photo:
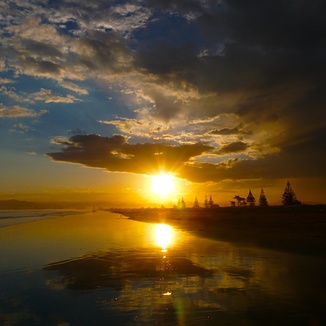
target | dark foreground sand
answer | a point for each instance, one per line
(300, 229)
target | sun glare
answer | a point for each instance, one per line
(163, 235)
(163, 184)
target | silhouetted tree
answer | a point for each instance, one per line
(210, 202)
(251, 199)
(196, 203)
(182, 203)
(262, 199)
(206, 202)
(288, 197)
(241, 201)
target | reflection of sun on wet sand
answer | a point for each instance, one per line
(111, 269)
(301, 229)
(163, 235)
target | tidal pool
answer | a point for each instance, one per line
(104, 269)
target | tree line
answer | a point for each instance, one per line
(288, 198)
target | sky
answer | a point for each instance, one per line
(97, 96)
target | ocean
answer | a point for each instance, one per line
(14, 217)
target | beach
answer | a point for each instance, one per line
(100, 268)
(300, 229)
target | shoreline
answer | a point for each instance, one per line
(15, 217)
(295, 229)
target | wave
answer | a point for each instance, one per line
(12, 217)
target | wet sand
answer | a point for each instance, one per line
(104, 269)
(298, 229)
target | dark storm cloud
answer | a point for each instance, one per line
(305, 159)
(268, 54)
(189, 6)
(273, 53)
(115, 154)
(264, 43)
(235, 147)
(163, 58)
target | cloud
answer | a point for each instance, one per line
(6, 80)
(19, 112)
(238, 76)
(2, 65)
(73, 87)
(20, 127)
(225, 131)
(60, 140)
(29, 52)
(138, 127)
(101, 15)
(115, 154)
(47, 96)
(42, 49)
(12, 94)
(256, 64)
(239, 130)
(235, 147)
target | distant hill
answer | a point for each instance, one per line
(18, 204)
(22, 204)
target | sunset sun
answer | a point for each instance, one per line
(163, 184)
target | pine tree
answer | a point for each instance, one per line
(206, 202)
(262, 199)
(288, 197)
(251, 199)
(210, 202)
(183, 204)
(196, 203)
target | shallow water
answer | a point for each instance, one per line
(14, 217)
(103, 269)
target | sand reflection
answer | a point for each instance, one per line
(164, 236)
(113, 269)
(121, 272)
